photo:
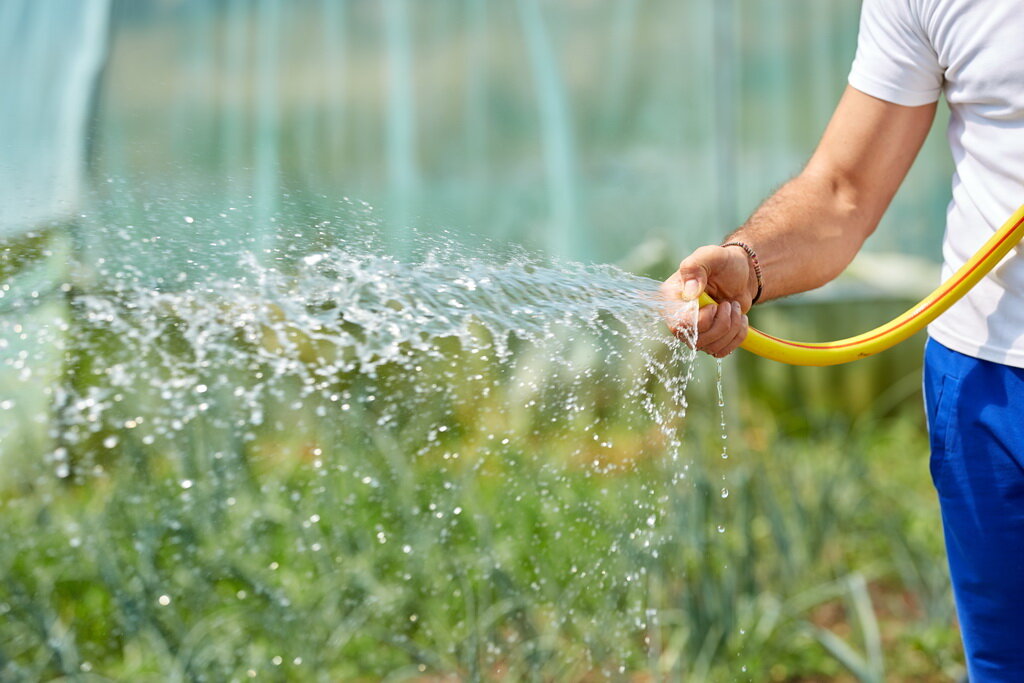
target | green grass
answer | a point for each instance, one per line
(320, 545)
(335, 550)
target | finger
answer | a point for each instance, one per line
(671, 294)
(736, 341)
(679, 317)
(678, 314)
(713, 319)
(706, 318)
(694, 271)
(727, 323)
(682, 322)
(720, 328)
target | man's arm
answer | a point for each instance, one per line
(808, 232)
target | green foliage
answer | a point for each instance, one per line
(355, 539)
(341, 554)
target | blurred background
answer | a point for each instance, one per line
(583, 128)
(600, 131)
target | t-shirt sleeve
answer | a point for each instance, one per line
(895, 59)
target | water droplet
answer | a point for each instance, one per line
(369, 329)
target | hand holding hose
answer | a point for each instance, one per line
(994, 250)
(810, 230)
(725, 273)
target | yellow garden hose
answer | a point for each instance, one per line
(898, 329)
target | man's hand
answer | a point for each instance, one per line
(728, 277)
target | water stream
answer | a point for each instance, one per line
(237, 333)
(481, 444)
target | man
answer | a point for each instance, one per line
(909, 52)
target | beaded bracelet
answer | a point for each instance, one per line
(757, 267)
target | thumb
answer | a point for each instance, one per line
(694, 271)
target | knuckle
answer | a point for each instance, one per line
(723, 320)
(706, 318)
(708, 343)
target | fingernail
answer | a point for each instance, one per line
(691, 289)
(735, 307)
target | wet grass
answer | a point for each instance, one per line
(325, 544)
(335, 550)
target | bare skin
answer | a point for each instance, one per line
(812, 227)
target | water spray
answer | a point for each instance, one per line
(901, 327)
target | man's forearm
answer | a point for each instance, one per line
(811, 229)
(805, 234)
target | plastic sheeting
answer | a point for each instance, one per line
(50, 56)
(584, 128)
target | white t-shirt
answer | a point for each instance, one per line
(910, 51)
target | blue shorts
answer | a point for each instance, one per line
(976, 426)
